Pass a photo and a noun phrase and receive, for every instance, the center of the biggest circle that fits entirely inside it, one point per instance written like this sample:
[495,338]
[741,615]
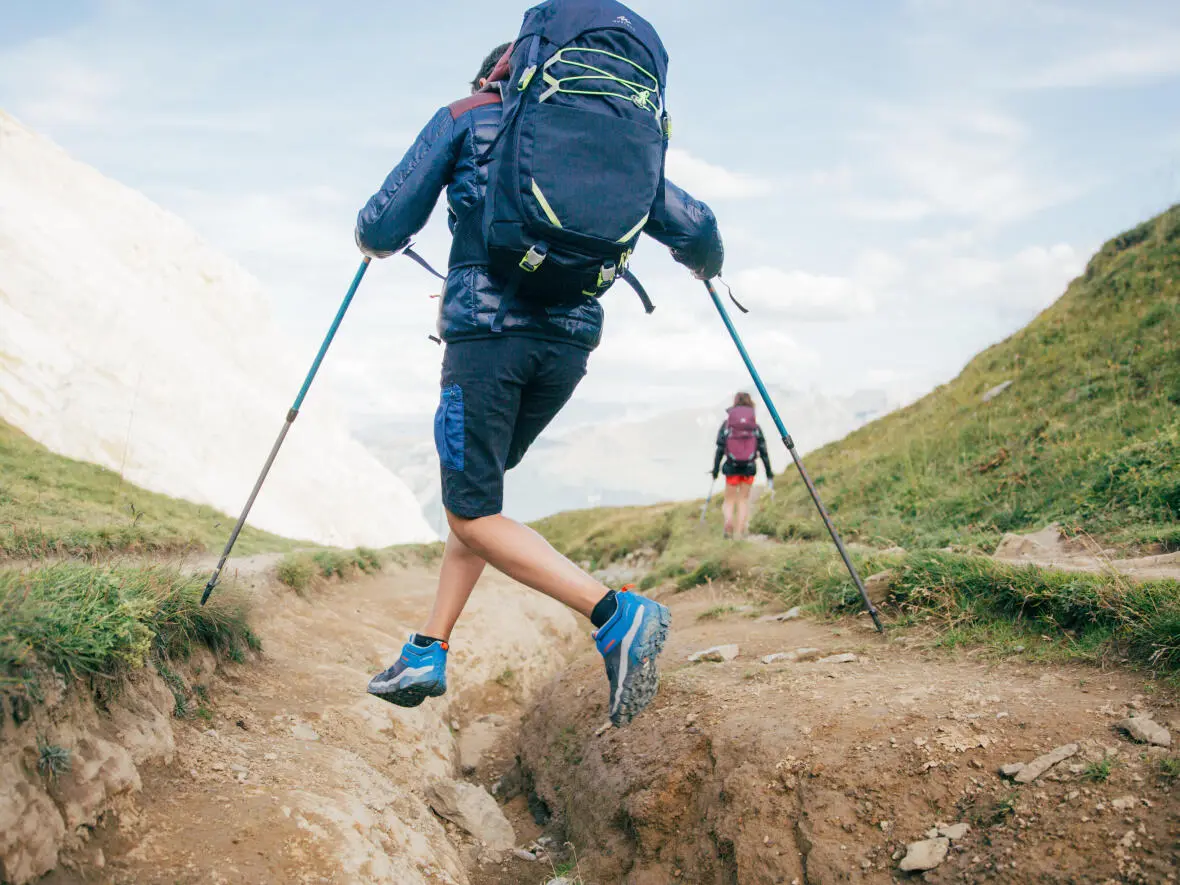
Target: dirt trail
[299,777]
[741,771]
[810,772]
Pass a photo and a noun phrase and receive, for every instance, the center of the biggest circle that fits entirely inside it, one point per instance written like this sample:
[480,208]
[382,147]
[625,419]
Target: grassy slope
[1089,434]
[50,504]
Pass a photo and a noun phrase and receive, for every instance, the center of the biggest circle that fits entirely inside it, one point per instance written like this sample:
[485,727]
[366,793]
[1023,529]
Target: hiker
[519,329]
[739,442]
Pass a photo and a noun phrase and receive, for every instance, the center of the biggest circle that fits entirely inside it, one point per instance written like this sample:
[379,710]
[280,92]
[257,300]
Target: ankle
[425,640]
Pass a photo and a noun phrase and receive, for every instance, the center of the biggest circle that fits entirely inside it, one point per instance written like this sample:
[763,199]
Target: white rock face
[127,341]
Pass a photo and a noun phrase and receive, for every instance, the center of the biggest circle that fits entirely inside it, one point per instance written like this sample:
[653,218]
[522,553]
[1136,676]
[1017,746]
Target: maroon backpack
[741,443]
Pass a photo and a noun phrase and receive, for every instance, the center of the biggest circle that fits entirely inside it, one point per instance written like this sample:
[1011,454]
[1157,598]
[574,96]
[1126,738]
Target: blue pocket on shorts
[448,428]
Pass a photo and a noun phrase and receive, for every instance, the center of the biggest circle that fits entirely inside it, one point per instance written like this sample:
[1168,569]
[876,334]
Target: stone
[924,855]
[1124,803]
[996,391]
[1146,731]
[100,771]
[788,615]
[472,809]
[716,654]
[846,658]
[878,586]
[521,854]
[304,732]
[791,657]
[956,832]
[1041,764]
[31,827]
[561,881]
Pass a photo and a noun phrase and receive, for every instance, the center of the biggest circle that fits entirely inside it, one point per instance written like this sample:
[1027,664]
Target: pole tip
[208,591]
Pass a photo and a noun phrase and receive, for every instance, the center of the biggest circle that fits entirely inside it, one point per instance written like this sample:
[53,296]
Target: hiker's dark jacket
[740,468]
[445,156]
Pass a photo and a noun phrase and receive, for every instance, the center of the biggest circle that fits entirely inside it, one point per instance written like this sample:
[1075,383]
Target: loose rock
[996,391]
[304,732]
[1041,764]
[473,809]
[789,615]
[956,832]
[924,855]
[716,654]
[1146,731]
[838,659]
[878,586]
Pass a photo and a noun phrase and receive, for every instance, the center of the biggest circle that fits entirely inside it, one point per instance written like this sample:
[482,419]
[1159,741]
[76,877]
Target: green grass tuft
[1099,772]
[53,761]
[299,570]
[90,623]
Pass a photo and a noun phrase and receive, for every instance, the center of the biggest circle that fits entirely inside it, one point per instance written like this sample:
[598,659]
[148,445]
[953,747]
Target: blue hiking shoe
[629,643]
[418,674]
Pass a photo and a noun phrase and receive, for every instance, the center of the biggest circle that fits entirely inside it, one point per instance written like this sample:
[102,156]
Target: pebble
[271,757]
[791,657]
[716,654]
[218,766]
[838,659]
[1146,731]
[1124,803]
[924,855]
[523,855]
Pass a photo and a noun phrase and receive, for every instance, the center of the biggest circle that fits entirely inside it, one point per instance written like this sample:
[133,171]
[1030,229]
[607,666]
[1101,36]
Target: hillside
[50,504]
[1087,433]
[129,342]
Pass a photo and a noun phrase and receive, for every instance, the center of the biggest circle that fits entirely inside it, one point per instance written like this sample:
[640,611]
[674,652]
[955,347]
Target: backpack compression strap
[631,280]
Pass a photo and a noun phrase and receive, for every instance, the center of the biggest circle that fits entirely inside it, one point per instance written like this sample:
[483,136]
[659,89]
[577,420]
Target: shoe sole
[410,697]
[642,684]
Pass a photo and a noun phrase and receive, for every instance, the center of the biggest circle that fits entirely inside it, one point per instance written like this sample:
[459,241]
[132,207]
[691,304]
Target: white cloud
[707,181]
[797,295]
[950,162]
[1146,58]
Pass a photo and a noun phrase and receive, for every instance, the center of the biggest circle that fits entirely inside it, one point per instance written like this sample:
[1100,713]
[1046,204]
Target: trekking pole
[790,444]
[291,416]
[708,498]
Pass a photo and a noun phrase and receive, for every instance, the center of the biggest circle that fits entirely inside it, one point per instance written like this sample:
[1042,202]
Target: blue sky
[899,183]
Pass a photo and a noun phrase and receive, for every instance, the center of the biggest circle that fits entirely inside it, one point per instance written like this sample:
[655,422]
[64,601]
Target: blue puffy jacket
[444,156]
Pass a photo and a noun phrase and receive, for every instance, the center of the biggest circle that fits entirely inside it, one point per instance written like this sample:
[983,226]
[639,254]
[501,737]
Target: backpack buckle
[606,274]
[534,257]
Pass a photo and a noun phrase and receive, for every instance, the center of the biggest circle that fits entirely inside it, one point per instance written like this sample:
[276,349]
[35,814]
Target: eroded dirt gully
[809,772]
[299,776]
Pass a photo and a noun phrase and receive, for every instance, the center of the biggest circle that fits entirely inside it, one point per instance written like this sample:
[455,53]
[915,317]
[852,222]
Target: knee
[466,530]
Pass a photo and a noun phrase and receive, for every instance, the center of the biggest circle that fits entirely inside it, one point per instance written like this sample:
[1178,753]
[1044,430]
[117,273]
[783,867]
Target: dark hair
[489,64]
[743,399]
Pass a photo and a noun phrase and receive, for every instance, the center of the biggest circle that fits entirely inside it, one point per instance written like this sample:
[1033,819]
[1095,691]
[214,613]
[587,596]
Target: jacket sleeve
[721,434]
[764,454]
[689,228]
[403,205]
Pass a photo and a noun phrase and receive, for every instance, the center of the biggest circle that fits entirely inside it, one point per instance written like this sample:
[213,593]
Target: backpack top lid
[741,418]
[560,21]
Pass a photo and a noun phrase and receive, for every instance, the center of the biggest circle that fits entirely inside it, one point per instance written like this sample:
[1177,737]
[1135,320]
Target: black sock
[605,608]
[426,641]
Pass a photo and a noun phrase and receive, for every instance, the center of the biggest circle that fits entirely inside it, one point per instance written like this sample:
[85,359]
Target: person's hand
[716,473]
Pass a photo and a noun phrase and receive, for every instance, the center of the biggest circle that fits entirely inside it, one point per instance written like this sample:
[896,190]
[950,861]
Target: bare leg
[727,508]
[743,510]
[522,554]
[461,568]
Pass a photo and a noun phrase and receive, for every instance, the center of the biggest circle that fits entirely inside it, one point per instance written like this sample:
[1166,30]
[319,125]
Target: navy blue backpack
[578,162]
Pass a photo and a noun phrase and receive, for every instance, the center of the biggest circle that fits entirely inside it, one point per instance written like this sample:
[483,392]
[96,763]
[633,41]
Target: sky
[899,183]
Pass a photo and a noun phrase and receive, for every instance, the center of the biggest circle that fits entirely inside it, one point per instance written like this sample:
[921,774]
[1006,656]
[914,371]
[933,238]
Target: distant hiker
[540,231]
[740,442]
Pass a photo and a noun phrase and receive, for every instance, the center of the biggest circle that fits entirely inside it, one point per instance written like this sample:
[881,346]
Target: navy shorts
[498,394]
